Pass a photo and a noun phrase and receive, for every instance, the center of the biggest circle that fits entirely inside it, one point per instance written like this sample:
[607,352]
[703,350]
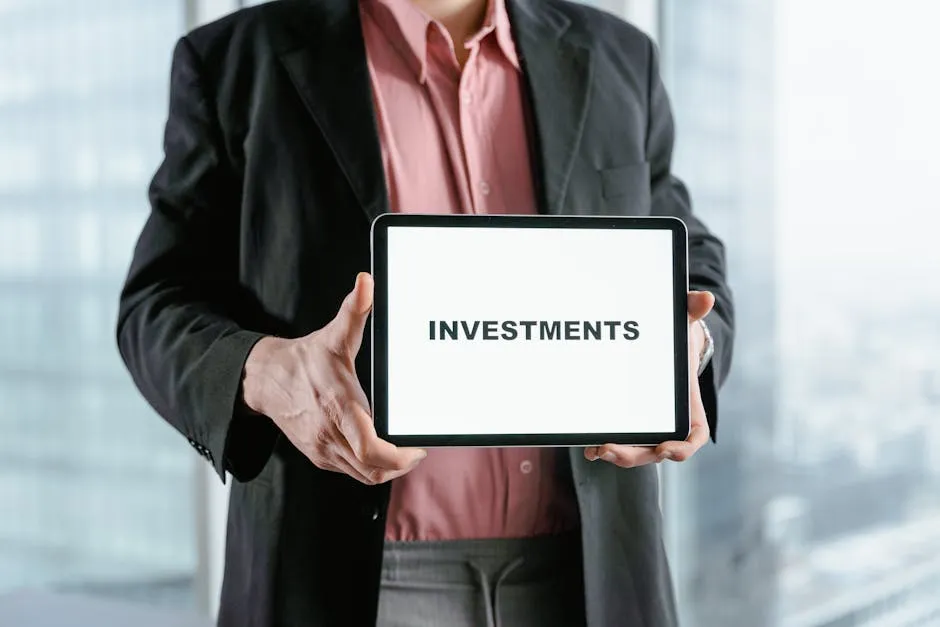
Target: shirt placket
[471,119]
[523,486]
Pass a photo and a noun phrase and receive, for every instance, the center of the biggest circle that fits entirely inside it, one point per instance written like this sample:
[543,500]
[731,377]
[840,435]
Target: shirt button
[467,98]
[485,188]
[525,467]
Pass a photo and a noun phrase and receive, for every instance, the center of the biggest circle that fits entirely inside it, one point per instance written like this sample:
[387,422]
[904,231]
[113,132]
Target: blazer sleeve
[707,267]
[180,321]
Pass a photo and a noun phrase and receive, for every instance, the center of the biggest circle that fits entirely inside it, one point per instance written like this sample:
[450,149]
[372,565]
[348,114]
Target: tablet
[529,330]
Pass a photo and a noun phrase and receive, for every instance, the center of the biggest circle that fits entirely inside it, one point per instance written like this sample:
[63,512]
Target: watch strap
[707,350]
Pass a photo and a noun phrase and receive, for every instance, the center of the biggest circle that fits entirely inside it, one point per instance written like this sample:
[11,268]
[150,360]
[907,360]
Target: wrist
[256,373]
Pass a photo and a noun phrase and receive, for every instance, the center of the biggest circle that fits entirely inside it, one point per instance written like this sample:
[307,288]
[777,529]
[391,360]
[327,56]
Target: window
[805,147]
[96,491]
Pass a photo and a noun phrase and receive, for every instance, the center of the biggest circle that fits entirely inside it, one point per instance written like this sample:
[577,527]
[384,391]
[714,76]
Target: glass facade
[804,147]
[819,507]
[95,490]
[717,60]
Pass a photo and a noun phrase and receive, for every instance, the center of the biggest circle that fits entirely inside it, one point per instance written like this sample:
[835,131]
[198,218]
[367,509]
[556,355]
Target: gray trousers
[533,582]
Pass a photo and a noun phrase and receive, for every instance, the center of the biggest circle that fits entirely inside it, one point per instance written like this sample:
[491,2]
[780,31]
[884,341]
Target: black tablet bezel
[380,228]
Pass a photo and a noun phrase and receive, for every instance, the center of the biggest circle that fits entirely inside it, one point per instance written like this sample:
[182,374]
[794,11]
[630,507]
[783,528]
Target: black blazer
[260,221]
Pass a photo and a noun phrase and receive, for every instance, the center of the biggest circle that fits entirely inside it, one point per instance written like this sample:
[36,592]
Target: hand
[700,303]
[308,387]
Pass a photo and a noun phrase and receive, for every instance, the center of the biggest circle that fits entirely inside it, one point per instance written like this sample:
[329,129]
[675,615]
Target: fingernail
[666,455]
[608,457]
[422,454]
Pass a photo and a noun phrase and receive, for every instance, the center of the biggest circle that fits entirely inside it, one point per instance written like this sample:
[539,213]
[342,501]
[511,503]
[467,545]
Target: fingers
[350,322]
[367,450]
[633,456]
[351,465]
[350,446]
[698,432]
[362,474]
[328,416]
[342,435]
[371,475]
[621,455]
[699,304]
[342,466]
[681,451]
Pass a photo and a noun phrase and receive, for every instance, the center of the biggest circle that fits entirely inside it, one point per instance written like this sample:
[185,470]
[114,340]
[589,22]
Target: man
[291,126]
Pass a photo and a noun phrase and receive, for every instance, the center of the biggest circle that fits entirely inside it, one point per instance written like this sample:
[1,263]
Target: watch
[707,351]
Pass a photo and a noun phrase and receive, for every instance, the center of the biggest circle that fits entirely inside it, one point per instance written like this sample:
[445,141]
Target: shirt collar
[407,28]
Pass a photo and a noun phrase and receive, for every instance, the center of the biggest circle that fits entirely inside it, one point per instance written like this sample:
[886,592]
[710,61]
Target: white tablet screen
[530,330]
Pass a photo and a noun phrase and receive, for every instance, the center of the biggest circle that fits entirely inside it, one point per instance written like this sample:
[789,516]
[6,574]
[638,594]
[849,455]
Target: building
[717,63]
[90,480]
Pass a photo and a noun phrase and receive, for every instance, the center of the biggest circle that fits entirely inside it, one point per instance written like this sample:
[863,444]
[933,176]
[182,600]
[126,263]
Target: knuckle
[331,405]
[322,441]
[363,450]
[305,436]
[377,476]
[364,478]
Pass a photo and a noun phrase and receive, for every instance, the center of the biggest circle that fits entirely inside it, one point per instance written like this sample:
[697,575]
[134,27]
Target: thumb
[700,303]
[350,322]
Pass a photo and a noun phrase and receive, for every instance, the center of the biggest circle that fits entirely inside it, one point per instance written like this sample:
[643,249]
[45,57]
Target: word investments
[569,330]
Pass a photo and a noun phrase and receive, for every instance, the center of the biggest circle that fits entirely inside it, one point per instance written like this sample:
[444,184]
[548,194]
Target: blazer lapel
[326,60]
[558,71]
[324,55]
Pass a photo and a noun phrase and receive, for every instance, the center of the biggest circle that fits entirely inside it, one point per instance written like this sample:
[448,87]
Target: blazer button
[375,514]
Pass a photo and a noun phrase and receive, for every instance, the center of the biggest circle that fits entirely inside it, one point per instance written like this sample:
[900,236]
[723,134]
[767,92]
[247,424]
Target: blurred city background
[808,133]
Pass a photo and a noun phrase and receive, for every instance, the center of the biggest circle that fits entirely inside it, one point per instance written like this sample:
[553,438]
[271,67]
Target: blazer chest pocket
[626,189]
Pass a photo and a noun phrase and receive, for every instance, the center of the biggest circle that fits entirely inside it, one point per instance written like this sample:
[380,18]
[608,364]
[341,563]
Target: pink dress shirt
[454,141]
